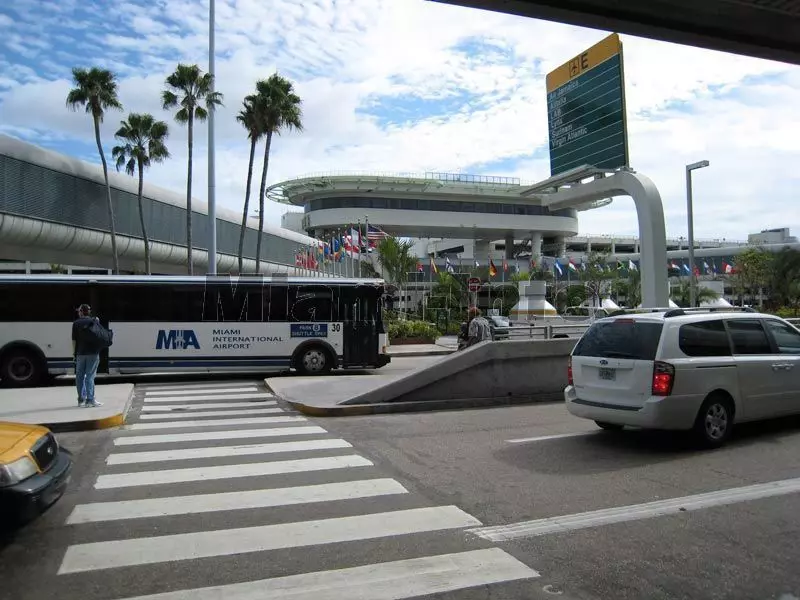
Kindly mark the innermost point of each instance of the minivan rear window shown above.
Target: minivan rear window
(621, 338)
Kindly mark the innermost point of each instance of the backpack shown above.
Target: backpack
(97, 336)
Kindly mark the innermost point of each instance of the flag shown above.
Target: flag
(727, 269)
(533, 263)
(505, 265)
(631, 265)
(686, 268)
(558, 269)
(571, 265)
(492, 269)
(673, 266)
(696, 271)
(714, 266)
(583, 264)
(433, 266)
(706, 267)
(375, 234)
(477, 264)
(420, 268)
(448, 266)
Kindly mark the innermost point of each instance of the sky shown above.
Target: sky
(411, 86)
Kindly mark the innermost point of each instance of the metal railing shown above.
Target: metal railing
(547, 331)
(426, 176)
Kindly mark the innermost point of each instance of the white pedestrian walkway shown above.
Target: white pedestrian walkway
(205, 474)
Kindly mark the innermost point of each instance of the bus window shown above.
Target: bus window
(42, 301)
(315, 303)
(226, 301)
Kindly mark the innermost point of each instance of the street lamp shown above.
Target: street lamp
(692, 281)
(212, 198)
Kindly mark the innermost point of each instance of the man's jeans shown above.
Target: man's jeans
(85, 371)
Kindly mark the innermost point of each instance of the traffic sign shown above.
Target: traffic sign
(586, 110)
(474, 284)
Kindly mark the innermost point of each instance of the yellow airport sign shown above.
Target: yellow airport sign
(597, 54)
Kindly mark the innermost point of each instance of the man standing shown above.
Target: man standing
(86, 351)
(479, 329)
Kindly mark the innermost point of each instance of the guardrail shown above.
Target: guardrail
(547, 331)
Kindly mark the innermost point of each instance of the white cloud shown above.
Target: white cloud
(409, 85)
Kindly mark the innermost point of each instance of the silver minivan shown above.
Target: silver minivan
(685, 369)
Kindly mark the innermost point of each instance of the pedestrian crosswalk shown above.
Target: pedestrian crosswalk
(217, 491)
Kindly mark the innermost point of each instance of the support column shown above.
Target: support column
(650, 213)
(562, 246)
(509, 247)
(536, 246)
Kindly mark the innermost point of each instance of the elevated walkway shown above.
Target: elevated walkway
(488, 374)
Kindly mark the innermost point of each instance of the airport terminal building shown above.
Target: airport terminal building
(53, 211)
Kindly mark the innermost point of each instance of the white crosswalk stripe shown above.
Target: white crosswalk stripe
(213, 413)
(148, 408)
(214, 423)
(129, 458)
(204, 436)
(209, 396)
(186, 392)
(173, 515)
(382, 581)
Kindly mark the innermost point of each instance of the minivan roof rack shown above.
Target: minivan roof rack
(677, 312)
(632, 311)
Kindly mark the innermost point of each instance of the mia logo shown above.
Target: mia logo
(177, 339)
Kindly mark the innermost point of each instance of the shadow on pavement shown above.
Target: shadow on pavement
(608, 451)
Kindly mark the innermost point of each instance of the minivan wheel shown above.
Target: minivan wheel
(714, 422)
(609, 426)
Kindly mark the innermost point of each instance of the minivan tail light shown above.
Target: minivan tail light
(569, 371)
(663, 378)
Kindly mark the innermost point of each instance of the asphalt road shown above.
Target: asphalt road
(437, 489)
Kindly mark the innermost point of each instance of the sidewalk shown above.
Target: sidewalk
(57, 408)
(444, 345)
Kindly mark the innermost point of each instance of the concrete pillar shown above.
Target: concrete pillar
(562, 246)
(27, 267)
(509, 247)
(536, 245)
(588, 247)
(613, 247)
(482, 251)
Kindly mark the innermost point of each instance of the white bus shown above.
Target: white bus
(192, 324)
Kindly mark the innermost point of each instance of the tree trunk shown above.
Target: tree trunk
(189, 197)
(141, 220)
(111, 227)
(261, 200)
(246, 204)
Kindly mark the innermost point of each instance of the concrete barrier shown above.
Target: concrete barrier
(489, 373)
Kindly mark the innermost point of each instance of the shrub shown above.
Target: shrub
(412, 329)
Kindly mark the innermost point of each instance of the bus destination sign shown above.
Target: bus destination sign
(586, 110)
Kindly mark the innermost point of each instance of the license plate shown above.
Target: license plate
(607, 374)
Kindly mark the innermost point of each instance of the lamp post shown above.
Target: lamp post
(690, 216)
(212, 198)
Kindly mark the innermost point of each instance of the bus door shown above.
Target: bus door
(100, 308)
(360, 331)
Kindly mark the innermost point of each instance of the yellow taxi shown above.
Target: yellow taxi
(34, 471)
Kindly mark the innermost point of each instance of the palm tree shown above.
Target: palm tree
(143, 144)
(278, 108)
(190, 88)
(248, 117)
(96, 90)
(396, 260)
(681, 294)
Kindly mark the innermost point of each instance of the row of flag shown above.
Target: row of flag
(348, 243)
(570, 265)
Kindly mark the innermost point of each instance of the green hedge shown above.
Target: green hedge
(412, 329)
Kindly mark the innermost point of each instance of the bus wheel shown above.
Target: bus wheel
(314, 360)
(21, 368)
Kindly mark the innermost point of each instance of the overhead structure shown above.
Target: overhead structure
(760, 28)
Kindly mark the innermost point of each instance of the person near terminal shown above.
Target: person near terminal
(89, 339)
(479, 329)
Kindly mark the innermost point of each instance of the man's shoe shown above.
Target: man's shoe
(93, 404)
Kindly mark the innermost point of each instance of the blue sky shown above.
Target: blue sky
(409, 85)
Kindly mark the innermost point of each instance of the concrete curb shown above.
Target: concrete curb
(116, 420)
(415, 353)
(352, 410)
